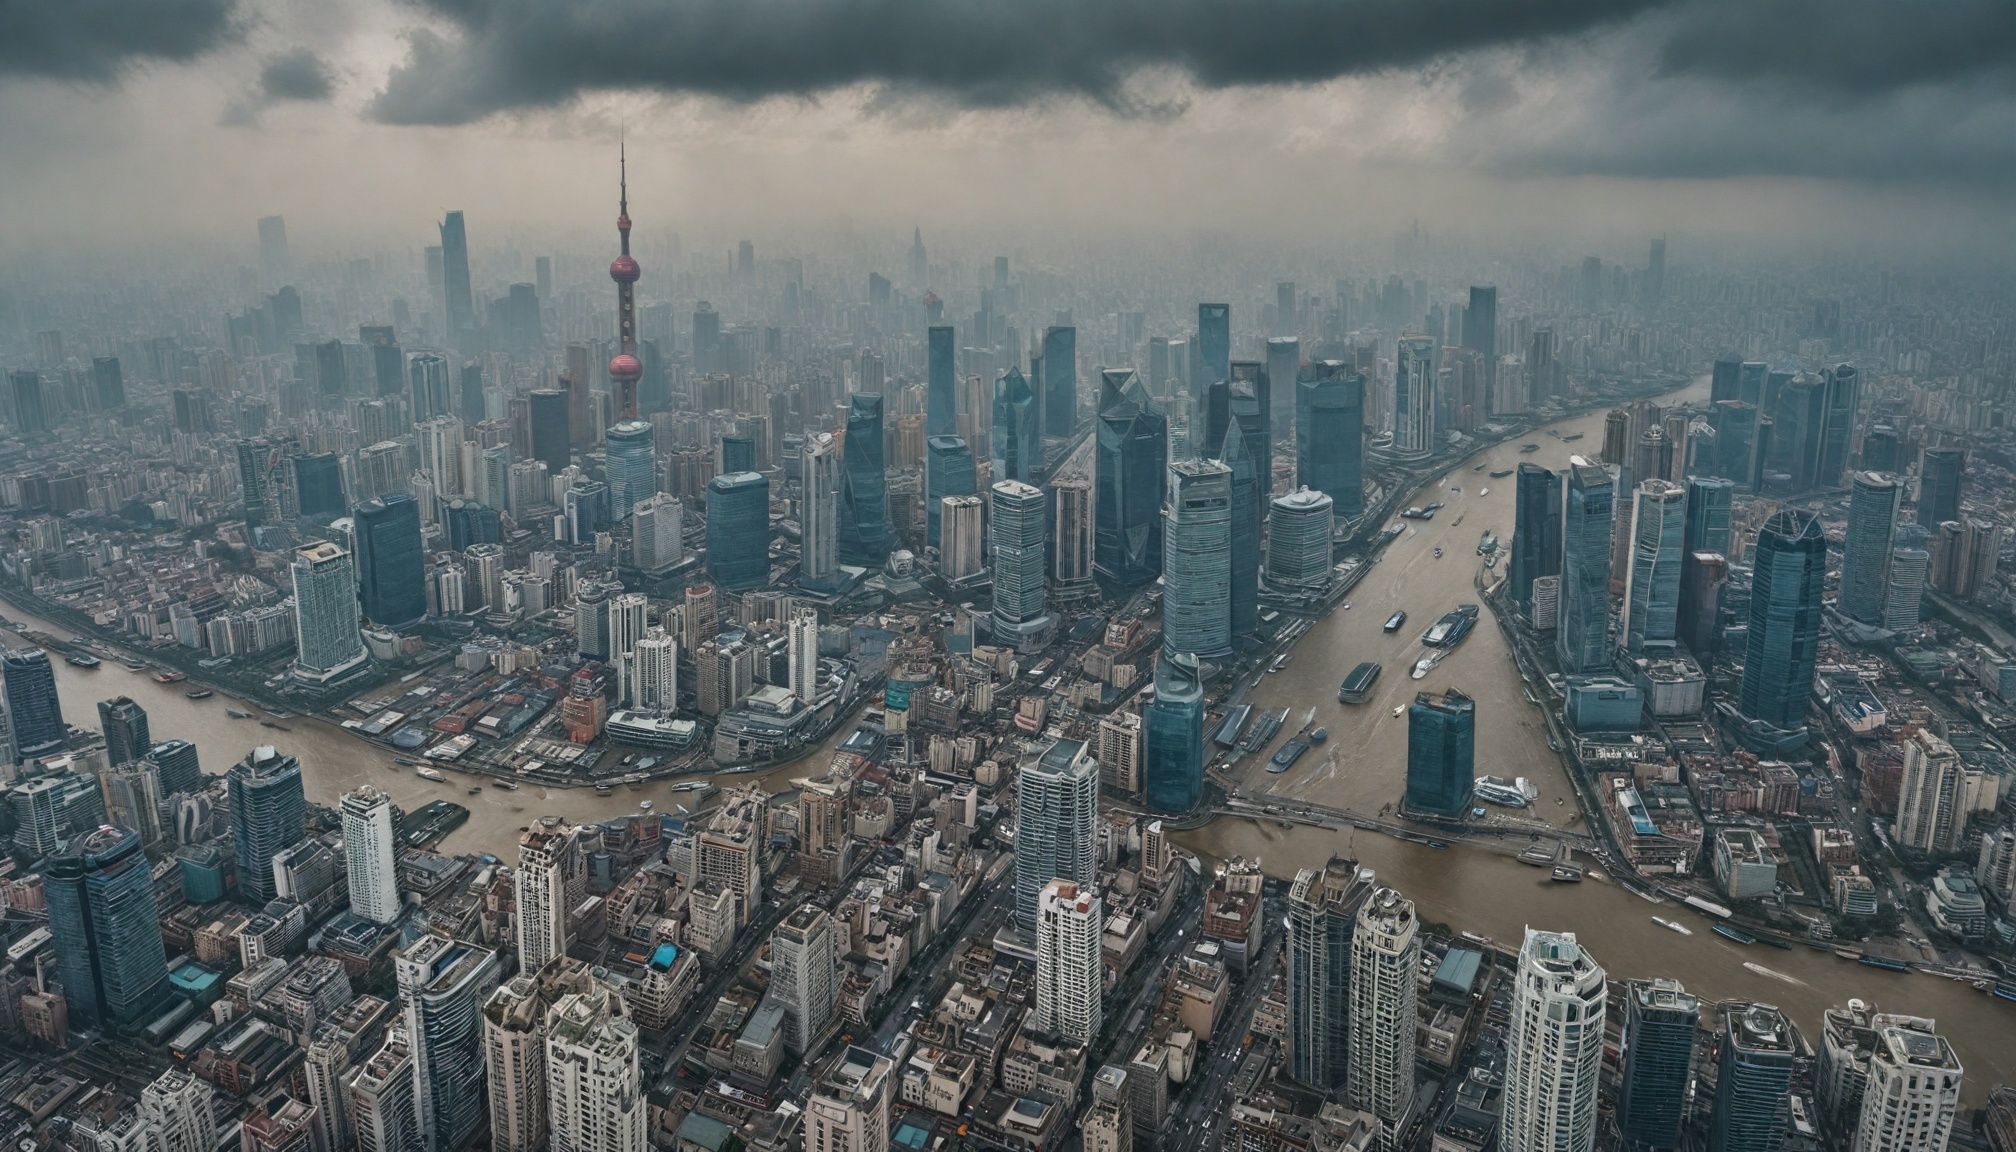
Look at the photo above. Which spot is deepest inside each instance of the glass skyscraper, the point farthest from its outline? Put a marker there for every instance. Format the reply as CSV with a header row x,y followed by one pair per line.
x,y
551,442
631,463
1211,362
107,928
1659,1022
1016,447
461,302
1652,596
1789,564
948,471
442,984
1725,380
326,640
1060,381
1017,530
268,816
1244,443
391,566
1330,435
738,454
1843,387
864,493
1131,477
127,735
1736,441
1197,560
1754,1079
1536,531
1414,395
941,397
1583,637
1056,823
1173,772
1865,559
586,511
32,704
1939,485
176,767
1322,919
471,523
318,485
738,529
1441,752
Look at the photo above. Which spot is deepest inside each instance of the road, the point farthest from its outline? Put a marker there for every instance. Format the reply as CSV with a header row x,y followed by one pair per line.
x,y
1203,1096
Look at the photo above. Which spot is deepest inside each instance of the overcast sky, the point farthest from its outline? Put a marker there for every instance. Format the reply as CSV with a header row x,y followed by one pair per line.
x,y
1886,123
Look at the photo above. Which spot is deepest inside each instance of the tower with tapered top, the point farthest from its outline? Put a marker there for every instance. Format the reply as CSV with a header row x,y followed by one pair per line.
x,y
624,368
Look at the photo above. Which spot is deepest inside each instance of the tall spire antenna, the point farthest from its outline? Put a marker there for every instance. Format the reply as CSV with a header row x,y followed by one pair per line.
x,y
625,369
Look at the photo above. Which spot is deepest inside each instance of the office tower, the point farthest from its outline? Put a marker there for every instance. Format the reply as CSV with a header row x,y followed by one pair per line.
x,y
1071,537
1932,809
735,454
442,986
1659,1022
1725,378
805,977
427,383
551,440
804,654
1939,475
106,925
848,1110
1554,1055
1108,1125
624,368
1904,599
125,726
175,767
1882,451
30,417
1020,615
1616,437
1798,425
514,1058
327,642
257,461
1212,359
595,1098
1330,435
941,407
469,402
1652,604
1247,512
586,512
383,1106
1653,288
819,509
1842,387
471,523
268,815
1015,450
1536,531
654,672
1070,973
1414,396
657,543
1385,958
32,704
1735,442
1441,752
1911,1093
1057,814
318,485
1197,560
1873,503
441,453
108,385
1753,1079
1480,328
1283,368
1584,640
1133,452
273,262
948,471
1060,381
179,1114
1173,769
864,502
391,564
459,300
1782,646
962,552
544,852
1322,915
738,530
1298,541
1284,307
631,465
371,850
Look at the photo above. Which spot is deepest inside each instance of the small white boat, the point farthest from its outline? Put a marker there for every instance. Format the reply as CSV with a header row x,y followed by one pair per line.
x,y
430,774
1483,492
1675,925
1399,709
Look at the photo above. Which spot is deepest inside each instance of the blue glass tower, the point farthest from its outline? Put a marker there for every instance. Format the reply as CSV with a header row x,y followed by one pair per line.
x,y
1016,526
864,488
738,454
1842,387
1583,638
586,512
268,816
1441,753
1736,441
948,471
1173,773
941,396
1060,381
472,523
1872,533
631,463
1017,444
1197,560
1241,453
1330,435
32,703
1725,382
1939,485
1212,362
108,931
1652,597
1536,530
176,768
1753,1080
1132,462
1789,565
1659,1022
318,485
391,569
738,529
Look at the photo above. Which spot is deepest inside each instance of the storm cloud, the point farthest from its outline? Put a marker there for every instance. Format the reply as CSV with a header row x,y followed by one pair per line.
x,y
94,39
296,75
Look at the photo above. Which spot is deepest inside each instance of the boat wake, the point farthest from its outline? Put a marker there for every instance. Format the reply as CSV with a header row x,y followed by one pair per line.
x,y
1763,971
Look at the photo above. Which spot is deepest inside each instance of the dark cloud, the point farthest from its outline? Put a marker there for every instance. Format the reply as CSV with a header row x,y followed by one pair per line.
x,y
511,54
94,39
1842,47
296,75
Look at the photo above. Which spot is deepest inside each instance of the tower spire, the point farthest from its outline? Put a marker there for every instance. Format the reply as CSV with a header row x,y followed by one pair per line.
x,y
625,369
623,195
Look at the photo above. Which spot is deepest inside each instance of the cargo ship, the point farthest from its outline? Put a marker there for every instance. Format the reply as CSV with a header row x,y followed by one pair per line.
x,y
1736,934
1675,925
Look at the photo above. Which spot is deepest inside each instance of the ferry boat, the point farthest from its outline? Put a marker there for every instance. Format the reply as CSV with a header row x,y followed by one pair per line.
x,y
199,694
170,677
1675,925
1567,873
2006,989
1571,437
506,785
1319,735
237,713
1286,757
430,774
1483,491
1425,665
82,660
1395,621
1401,709
1501,474
692,786
644,805
1884,962
1736,934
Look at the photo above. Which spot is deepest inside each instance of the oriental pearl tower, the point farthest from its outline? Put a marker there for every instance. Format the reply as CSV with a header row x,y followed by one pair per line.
x,y
624,368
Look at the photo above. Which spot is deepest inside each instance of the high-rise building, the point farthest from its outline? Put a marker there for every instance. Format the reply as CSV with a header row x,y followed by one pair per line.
x,y
1583,635
948,471
1015,449
1652,601
1939,481
864,499
1842,388
106,926
1932,807
1298,541
1056,818
804,661
963,552
1197,560
1070,972
1133,454
805,977
551,440
1385,963
1480,327
1284,368
1536,531
848,1110
124,723
1873,503
327,642
738,530
32,704
595,1099
1441,752
459,299
371,850
391,562
1414,431
631,464
819,508
1904,600
1659,1022
1021,616
1245,452
268,815
514,1060
1212,360
383,1106
1330,435
1060,381
318,485
1781,649
1911,1093
1725,378
545,850
284,1125
1322,916
179,1114
1108,1125
941,404
1173,771
257,462
175,767
1753,1079
1554,1054
1117,746
442,986
1736,443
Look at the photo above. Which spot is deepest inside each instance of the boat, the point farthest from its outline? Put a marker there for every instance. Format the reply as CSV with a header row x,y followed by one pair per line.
x,y
604,789
1478,468
1487,543
506,785
476,790
430,774
1279,663
82,660
1515,793
199,693
134,666
170,677
1347,605
1571,437
2006,989
1450,630
1567,873
1227,735
1483,491
1736,934
1529,447
1394,621
1319,735
1286,757
275,727
237,713
1425,665
1887,963
1675,925
644,805
1357,687
1438,553
1540,854
403,761
1401,709
1501,474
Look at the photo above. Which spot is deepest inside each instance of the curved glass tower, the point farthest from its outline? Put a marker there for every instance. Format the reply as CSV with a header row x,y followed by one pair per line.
x,y
1131,473
106,924
1197,560
631,463
1783,645
1174,770
1330,435
1016,448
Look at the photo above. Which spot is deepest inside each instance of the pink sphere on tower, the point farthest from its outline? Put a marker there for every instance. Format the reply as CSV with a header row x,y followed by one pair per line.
x,y
625,367
624,269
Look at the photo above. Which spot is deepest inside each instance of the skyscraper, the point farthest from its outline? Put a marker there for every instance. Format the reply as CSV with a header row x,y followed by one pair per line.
x,y
1911,1094
631,463
514,1057
1652,603
256,464
178,1111
327,645
1939,485
1213,360
318,485
805,977
1021,617
864,501
106,924
848,1110
1783,641
1414,431
1725,378
1197,560
1385,959
1243,453
1070,972
175,767
738,529
546,408
1554,1054
125,726
1056,825
1873,502
32,704
948,471
819,510
442,986
1174,723
595,1098
624,367
382,1098
544,852
1283,368
1753,1080
941,404
371,852
1441,752
1904,600
1583,636
1322,917
1842,386
1736,442
268,815
1298,542
1480,328
1133,453
1932,809
460,300
1330,435
1659,1022
391,564
1016,446
1060,381
1536,531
